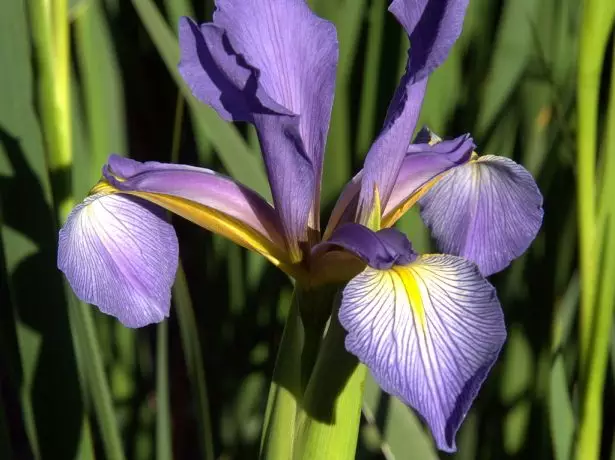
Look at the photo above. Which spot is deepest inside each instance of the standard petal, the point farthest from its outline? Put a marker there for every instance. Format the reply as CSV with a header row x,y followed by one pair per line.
x,y
273,64
488,211
429,332
119,253
210,200
433,26
422,164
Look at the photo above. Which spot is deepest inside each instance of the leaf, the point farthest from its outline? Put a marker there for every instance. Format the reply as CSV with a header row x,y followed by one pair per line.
x,y
400,431
513,47
102,87
163,409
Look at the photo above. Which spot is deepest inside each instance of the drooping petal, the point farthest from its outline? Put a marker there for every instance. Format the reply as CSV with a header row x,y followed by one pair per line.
x,y
433,27
381,249
273,64
210,200
488,211
119,253
429,332
422,164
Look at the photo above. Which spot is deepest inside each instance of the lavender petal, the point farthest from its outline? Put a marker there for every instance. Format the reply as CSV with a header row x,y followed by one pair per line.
x,y
433,26
429,332
120,254
488,211
272,64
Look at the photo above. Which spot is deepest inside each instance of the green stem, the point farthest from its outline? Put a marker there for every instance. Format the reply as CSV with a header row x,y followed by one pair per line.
x,y
592,404
328,426
163,409
285,392
597,17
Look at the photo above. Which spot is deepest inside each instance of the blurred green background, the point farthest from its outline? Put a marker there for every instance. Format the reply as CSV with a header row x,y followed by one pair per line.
x,y
530,79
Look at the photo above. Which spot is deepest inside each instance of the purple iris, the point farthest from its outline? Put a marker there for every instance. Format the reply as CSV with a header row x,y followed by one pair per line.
x,y
429,327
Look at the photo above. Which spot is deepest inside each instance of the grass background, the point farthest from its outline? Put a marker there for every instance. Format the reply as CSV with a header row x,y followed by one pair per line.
x,y
531,80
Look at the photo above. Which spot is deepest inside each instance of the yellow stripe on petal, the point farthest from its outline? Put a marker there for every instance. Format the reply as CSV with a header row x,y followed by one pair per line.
x,y
429,332
217,222
396,213
407,275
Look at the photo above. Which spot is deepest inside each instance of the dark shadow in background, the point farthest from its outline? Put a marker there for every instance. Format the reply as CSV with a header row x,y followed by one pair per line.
x,y
38,300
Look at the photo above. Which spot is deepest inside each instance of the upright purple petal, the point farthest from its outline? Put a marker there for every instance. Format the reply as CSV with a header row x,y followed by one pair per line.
x,y
429,332
210,200
421,164
381,249
488,211
273,64
433,27
120,254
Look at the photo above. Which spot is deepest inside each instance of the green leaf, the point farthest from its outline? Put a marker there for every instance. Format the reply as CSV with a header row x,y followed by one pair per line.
x,y
164,446
191,346
513,46
102,89
348,17
399,430
561,415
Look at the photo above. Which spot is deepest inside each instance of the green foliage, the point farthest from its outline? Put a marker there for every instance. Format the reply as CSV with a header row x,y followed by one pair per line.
x,y
531,80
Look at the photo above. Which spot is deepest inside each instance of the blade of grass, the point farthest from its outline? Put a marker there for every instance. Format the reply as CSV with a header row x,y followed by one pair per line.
x,y
369,90
600,317
53,57
348,17
509,59
102,87
232,150
163,409
194,361
597,19
187,323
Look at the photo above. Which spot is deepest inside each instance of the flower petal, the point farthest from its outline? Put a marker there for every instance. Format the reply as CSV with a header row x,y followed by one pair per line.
x,y
422,164
429,332
273,64
120,254
381,249
210,200
488,211
433,27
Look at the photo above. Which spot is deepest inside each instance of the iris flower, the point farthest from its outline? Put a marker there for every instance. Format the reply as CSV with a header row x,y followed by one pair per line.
x,y
429,327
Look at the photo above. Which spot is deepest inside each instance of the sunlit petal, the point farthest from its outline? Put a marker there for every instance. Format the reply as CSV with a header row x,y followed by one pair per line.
x,y
429,332
119,253
488,210
272,64
433,26
210,200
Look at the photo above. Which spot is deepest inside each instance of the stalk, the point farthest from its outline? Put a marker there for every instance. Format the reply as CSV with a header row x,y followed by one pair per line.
x,y
285,393
590,429
51,33
328,426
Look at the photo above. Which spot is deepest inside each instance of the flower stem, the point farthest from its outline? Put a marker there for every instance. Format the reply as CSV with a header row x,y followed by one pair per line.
x,y
328,426
596,322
